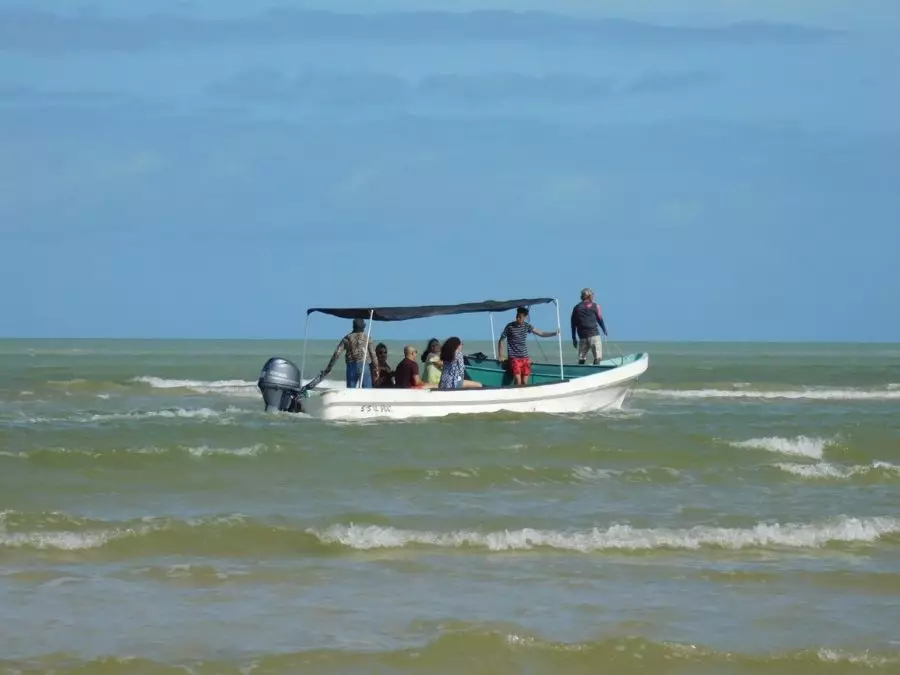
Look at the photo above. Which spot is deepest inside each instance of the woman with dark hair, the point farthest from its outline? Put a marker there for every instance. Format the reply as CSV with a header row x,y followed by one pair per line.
x,y
453,375
451,349
434,347
431,357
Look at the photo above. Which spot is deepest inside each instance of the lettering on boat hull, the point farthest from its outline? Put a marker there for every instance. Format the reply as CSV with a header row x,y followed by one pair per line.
x,y
375,408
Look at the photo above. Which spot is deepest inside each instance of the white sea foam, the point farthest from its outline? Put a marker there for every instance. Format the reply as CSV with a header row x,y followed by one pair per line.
x,y
864,658
221,416
616,537
199,451
242,388
237,388
804,446
173,413
620,537
97,537
826,470
889,393
590,474
63,541
251,451
62,581
162,383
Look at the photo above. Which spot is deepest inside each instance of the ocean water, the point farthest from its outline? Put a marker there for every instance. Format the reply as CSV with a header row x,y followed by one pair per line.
x,y
741,515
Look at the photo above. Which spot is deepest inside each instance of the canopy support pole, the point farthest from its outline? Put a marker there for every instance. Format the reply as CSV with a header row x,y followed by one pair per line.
x,y
305,340
562,372
362,371
493,340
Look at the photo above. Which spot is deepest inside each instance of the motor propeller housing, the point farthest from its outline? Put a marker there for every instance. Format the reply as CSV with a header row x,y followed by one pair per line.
x,y
279,383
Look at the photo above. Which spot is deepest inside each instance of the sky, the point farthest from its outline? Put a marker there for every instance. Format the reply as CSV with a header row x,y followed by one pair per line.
x,y
714,169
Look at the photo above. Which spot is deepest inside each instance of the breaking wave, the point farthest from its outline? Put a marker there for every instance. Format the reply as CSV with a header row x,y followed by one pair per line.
x,y
226,416
480,477
828,471
221,534
237,534
622,537
237,388
887,393
803,446
73,456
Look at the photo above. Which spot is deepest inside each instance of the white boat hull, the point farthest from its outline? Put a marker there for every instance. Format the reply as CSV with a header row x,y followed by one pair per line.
x,y
603,391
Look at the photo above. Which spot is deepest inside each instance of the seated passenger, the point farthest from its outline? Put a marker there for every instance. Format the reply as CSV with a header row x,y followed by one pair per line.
x,y
385,377
433,364
406,375
453,374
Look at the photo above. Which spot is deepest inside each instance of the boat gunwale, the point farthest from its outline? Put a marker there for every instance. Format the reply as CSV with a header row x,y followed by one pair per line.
x,y
643,357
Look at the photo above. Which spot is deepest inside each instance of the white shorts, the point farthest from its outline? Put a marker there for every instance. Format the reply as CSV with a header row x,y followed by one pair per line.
x,y
591,344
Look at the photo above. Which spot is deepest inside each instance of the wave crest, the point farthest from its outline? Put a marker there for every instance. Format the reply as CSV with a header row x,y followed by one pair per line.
x,y
619,537
807,393
238,535
804,446
828,471
236,388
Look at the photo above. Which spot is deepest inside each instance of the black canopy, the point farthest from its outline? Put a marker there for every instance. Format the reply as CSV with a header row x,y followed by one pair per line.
x,y
424,311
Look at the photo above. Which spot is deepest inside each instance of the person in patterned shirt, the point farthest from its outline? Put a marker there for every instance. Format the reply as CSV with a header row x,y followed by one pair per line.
x,y
453,374
356,355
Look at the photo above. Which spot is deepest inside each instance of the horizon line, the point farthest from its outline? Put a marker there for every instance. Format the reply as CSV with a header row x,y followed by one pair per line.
x,y
329,339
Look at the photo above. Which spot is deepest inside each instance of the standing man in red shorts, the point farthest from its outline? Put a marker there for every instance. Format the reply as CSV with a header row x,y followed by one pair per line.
x,y
516,335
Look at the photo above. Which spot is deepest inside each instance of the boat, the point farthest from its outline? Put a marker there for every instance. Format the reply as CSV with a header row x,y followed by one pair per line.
x,y
558,388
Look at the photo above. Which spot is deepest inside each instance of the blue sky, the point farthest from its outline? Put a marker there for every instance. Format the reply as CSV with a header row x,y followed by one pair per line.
x,y
716,170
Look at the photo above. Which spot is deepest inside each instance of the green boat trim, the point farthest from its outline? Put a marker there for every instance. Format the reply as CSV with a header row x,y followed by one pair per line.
x,y
491,372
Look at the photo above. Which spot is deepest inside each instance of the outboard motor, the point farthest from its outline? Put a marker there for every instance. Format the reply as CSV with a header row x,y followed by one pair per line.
x,y
279,382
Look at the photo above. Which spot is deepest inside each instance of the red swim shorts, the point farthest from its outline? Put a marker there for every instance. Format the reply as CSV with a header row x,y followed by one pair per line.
x,y
520,366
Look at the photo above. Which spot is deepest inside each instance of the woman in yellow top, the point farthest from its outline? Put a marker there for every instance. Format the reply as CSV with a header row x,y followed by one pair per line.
x,y
431,357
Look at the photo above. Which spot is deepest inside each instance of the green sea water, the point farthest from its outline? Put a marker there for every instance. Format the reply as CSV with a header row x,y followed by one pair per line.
x,y
741,515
